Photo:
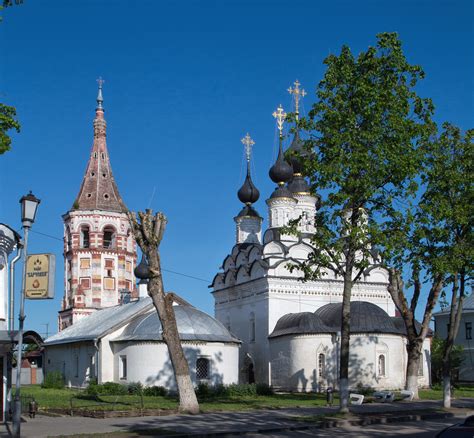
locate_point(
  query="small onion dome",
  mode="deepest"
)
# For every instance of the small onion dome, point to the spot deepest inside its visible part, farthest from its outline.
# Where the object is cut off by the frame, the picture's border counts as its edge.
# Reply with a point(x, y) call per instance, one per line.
point(294, 152)
point(248, 193)
point(142, 271)
point(298, 185)
point(281, 192)
point(248, 211)
point(281, 172)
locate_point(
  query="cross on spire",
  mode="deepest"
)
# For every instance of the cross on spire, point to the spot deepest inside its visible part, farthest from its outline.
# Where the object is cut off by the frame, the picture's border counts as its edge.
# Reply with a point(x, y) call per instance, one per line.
point(280, 116)
point(100, 99)
point(298, 93)
point(248, 142)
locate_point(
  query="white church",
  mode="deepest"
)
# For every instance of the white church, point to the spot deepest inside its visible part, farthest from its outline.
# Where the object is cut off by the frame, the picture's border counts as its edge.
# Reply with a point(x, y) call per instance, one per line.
point(269, 326)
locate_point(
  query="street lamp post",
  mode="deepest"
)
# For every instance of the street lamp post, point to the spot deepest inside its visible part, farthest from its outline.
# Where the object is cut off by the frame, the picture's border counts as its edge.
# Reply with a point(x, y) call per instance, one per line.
point(29, 205)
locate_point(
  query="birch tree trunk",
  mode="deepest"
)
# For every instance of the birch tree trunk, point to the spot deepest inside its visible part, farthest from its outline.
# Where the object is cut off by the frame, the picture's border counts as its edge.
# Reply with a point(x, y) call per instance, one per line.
point(148, 233)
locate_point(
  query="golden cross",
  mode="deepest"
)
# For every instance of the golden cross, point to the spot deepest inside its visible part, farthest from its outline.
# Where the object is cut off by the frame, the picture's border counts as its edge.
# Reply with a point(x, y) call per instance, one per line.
point(298, 94)
point(280, 115)
point(248, 142)
point(100, 81)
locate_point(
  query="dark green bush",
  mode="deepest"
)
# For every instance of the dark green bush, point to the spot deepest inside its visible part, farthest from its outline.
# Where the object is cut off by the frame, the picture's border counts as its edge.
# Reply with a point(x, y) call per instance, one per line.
point(242, 390)
point(135, 388)
point(155, 391)
point(264, 389)
point(53, 380)
point(107, 388)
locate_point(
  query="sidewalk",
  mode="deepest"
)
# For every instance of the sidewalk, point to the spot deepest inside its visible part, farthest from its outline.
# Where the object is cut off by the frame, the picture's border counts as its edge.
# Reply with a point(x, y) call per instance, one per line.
point(215, 424)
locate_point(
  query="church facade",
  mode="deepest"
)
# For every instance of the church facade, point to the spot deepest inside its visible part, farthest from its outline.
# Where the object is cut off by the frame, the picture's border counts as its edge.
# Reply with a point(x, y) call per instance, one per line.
point(290, 330)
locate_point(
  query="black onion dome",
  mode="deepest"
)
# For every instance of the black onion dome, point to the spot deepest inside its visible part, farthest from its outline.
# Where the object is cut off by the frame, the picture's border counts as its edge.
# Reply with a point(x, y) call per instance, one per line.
point(281, 171)
point(142, 271)
point(248, 193)
point(281, 192)
point(298, 185)
point(248, 211)
point(294, 152)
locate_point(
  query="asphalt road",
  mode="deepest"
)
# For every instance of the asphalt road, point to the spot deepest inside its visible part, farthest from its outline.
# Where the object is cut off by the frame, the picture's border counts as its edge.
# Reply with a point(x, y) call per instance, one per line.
point(420, 429)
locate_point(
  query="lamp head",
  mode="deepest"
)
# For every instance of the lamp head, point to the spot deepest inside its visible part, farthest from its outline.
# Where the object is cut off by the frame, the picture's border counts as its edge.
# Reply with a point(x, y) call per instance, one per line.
point(29, 206)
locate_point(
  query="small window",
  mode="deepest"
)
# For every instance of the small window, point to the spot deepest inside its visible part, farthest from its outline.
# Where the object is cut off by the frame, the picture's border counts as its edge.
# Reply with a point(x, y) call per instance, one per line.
point(109, 283)
point(202, 368)
point(85, 242)
point(85, 283)
point(106, 196)
point(468, 330)
point(322, 365)
point(89, 195)
point(381, 365)
point(104, 175)
point(95, 154)
point(128, 266)
point(109, 263)
point(109, 238)
point(92, 174)
point(85, 263)
point(252, 327)
point(102, 155)
point(123, 367)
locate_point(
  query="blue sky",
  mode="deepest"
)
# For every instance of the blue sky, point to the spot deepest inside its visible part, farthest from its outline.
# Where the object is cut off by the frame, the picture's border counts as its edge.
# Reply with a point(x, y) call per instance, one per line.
point(184, 82)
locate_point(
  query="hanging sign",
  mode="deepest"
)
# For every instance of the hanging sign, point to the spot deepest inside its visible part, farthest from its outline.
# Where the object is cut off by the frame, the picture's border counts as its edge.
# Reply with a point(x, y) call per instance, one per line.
point(39, 281)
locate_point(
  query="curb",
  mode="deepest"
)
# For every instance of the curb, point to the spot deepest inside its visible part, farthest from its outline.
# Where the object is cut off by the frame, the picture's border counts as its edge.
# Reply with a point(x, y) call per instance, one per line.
point(325, 424)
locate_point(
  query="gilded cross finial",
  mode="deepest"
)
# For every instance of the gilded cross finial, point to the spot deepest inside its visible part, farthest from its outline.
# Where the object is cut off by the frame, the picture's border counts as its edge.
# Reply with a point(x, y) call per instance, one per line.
point(100, 81)
point(248, 143)
point(280, 116)
point(298, 93)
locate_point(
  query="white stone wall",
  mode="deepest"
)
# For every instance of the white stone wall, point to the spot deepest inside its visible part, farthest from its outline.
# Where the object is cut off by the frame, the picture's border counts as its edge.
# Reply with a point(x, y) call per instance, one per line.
point(294, 362)
point(248, 229)
point(149, 363)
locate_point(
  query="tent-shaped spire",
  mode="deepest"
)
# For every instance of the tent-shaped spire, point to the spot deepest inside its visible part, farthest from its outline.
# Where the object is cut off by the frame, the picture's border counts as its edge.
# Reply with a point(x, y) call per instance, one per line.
point(98, 190)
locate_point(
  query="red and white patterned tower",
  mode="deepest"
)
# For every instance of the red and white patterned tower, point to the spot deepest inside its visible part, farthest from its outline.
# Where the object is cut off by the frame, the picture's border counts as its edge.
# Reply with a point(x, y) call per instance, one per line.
point(99, 250)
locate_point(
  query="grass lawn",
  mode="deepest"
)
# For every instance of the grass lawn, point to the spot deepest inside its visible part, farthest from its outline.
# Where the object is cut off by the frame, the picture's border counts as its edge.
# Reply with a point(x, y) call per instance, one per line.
point(61, 399)
point(437, 394)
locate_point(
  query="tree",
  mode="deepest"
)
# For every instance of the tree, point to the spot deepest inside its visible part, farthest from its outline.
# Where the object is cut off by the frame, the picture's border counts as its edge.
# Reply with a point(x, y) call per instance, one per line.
point(7, 122)
point(366, 129)
point(431, 242)
point(148, 232)
point(438, 347)
point(449, 203)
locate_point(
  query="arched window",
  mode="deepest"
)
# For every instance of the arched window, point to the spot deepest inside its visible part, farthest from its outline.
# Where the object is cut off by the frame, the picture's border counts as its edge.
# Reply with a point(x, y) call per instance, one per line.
point(85, 240)
point(202, 368)
point(381, 365)
point(252, 327)
point(109, 237)
point(322, 365)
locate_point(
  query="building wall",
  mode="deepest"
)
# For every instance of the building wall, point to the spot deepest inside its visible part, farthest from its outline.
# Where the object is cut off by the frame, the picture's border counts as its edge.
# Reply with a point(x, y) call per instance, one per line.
point(76, 361)
point(466, 371)
point(295, 367)
point(94, 275)
point(149, 363)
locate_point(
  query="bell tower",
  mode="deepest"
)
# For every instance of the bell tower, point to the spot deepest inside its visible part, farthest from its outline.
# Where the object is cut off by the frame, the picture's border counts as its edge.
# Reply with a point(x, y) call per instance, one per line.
point(99, 250)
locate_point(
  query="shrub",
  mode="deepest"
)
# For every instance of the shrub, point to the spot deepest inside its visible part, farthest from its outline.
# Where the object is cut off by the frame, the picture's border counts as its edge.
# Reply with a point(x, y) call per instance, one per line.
point(203, 390)
point(155, 391)
point(53, 380)
point(135, 388)
point(242, 390)
point(264, 389)
point(107, 388)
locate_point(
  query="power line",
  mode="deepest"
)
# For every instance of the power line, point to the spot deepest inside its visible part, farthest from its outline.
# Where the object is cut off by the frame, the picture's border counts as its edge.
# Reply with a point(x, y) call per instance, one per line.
point(163, 269)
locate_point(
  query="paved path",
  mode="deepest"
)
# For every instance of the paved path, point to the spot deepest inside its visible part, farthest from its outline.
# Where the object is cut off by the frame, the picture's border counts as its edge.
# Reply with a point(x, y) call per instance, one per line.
point(223, 422)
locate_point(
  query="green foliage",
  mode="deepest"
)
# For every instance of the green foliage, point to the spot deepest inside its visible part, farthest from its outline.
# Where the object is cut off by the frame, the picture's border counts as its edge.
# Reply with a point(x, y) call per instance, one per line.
point(107, 388)
point(7, 122)
point(437, 352)
point(155, 391)
point(204, 391)
point(53, 380)
point(135, 388)
point(367, 131)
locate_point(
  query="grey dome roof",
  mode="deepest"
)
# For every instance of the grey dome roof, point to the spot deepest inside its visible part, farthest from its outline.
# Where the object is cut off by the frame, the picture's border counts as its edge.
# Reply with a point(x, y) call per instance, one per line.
point(294, 152)
point(281, 171)
point(304, 322)
point(281, 192)
point(298, 185)
point(248, 193)
point(193, 325)
point(365, 318)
